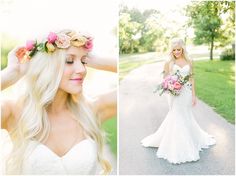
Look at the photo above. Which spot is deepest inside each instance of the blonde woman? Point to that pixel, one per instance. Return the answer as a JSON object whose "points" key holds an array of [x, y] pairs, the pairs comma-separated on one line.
{"points": [[179, 138], [54, 128]]}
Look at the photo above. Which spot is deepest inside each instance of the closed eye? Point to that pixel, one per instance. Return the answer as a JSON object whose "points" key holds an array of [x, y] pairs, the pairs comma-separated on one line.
{"points": [[83, 59], [69, 61]]}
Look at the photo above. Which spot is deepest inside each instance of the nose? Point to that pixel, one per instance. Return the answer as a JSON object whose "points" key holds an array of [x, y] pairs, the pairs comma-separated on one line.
{"points": [[79, 67]]}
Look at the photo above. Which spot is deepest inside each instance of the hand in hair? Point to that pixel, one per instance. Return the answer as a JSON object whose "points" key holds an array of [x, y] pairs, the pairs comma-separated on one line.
{"points": [[16, 68]]}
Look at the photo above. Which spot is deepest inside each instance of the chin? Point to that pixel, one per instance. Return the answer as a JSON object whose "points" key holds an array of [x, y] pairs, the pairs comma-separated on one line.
{"points": [[177, 56], [75, 91]]}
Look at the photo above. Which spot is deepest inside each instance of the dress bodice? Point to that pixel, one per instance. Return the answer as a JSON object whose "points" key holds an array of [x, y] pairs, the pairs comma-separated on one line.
{"points": [[184, 71], [80, 159]]}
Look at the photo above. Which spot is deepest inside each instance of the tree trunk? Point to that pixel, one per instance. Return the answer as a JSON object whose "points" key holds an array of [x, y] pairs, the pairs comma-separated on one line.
{"points": [[212, 46]]}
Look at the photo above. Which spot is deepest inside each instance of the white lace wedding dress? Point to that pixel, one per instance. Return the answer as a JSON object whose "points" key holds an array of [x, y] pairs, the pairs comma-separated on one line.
{"points": [[81, 159], [179, 138]]}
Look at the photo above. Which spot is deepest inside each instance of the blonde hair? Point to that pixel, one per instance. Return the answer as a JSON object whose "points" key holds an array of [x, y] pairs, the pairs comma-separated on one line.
{"points": [[42, 82], [178, 42]]}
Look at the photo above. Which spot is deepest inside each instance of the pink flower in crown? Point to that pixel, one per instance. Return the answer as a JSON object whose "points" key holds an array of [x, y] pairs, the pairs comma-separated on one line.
{"points": [[63, 41], [89, 44], [30, 44], [52, 37]]}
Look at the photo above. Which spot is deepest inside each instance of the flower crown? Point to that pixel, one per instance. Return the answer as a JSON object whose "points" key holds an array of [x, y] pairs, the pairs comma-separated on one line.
{"points": [[61, 40]]}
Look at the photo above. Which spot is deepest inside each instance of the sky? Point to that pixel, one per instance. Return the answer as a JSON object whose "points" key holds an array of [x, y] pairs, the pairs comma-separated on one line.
{"points": [[24, 19], [163, 6]]}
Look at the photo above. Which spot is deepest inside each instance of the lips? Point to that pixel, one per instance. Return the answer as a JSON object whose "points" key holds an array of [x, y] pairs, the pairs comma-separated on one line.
{"points": [[177, 54], [77, 80]]}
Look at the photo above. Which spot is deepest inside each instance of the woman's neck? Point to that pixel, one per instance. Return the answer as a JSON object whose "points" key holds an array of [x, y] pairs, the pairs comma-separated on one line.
{"points": [[59, 102], [180, 58]]}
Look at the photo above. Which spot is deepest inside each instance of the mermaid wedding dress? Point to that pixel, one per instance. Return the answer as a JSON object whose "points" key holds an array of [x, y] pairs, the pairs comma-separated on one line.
{"points": [[179, 138]]}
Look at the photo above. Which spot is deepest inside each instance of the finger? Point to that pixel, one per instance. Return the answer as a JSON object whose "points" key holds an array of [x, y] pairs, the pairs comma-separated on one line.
{"points": [[21, 53], [16, 49], [13, 52]]}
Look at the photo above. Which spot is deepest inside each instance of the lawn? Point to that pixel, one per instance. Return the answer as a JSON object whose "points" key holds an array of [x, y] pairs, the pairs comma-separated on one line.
{"points": [[110, 126], [215, 86]]}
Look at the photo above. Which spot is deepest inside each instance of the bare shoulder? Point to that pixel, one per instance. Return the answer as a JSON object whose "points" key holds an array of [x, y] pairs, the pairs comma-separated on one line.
{"points": [[91, 103], [190, 61], [10, 111], [104, 105]]}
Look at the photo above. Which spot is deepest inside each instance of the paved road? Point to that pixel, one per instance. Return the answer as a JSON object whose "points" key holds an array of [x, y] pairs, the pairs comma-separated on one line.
{"points": [[141, 113]]}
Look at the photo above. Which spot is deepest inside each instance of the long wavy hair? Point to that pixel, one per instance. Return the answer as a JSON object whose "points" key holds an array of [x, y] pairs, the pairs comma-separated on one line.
{"points": [[178, 42], [42, 83]]}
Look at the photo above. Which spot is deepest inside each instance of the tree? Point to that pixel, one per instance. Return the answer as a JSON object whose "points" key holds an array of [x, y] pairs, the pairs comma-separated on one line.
{"points": [[206, 18], [128, 31], [139, 31]]}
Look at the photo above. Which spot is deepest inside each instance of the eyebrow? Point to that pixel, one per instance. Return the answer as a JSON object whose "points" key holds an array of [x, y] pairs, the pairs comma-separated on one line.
{"points": [[75, 55]]}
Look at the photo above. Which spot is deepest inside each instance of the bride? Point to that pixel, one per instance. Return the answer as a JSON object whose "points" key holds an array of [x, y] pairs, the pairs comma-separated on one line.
{"points": [[54, 128], [179, 138]]}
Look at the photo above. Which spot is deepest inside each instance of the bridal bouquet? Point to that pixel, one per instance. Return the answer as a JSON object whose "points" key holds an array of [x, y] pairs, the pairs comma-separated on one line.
{"points": [[172, 84]]}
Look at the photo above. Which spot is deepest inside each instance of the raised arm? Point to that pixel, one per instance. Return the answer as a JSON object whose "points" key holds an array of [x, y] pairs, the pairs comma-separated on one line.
{"points": [[102, 63], [105, 105], [10, 75], [14, 70]]}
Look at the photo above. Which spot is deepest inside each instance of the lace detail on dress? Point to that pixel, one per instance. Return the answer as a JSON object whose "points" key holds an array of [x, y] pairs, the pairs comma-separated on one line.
{"points": [[80, 160]]}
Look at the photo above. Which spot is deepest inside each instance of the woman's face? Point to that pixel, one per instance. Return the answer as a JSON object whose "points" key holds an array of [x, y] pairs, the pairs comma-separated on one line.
{"points": [[177, 52], [74, 70]]}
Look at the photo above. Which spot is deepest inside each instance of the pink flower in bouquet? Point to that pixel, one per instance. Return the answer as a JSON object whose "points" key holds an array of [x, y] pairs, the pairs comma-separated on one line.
{"points": [[165, 84], [170, 86], [167, 78], [177, 85], [30, 45], [89, 44], [52, 37], [174, 78]]}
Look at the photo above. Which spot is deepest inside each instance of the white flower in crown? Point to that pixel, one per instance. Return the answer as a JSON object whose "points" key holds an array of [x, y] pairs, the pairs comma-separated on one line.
{"points": [[78, 41], [63, 41]]}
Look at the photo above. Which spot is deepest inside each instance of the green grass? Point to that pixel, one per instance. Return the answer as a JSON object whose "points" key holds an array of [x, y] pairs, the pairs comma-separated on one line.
{"points": [[110, 126], [215, 86]]}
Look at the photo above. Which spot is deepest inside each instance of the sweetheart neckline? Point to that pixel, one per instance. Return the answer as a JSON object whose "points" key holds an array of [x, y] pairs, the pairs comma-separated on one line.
{"points": [[183, 66], [68, 152]]}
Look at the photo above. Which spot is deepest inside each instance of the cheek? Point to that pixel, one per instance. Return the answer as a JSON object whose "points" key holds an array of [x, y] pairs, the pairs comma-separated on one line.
{"points": [[66, 74], [65, 77]]}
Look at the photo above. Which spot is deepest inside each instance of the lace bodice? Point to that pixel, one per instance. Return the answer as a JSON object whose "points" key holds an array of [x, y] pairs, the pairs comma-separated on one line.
{"points": [[80, 159]]}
